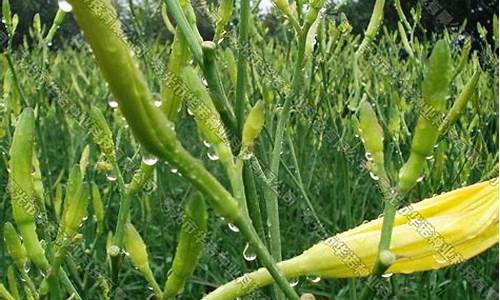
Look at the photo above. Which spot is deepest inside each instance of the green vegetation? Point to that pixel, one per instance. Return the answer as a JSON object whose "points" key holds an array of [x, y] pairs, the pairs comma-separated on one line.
{"points": [[136, 168]]}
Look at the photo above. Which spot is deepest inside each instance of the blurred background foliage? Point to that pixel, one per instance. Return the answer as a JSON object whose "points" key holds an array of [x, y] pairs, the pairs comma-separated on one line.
{"points": [[148, 20]]}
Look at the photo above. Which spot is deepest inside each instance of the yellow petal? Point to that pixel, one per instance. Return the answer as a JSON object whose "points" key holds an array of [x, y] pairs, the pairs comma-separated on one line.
{"points": [[431, 234]]}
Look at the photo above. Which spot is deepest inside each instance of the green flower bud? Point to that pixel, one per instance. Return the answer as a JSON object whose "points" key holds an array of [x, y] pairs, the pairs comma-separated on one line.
{"points": [[136, 248], [55, 25], [75, 206], [14, 246], [201, 106], [21, 187], [5, 294], [6, 16], [372, 136], [190, 246], [223, 16], [11, 279], [37, 25], [434, 91], [460, 102], [253, 126], [437, 77]]}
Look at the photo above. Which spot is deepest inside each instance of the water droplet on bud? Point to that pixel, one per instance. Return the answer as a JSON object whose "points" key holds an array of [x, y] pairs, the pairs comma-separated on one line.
{"points": [[149, 160], [233, 227], [64, 6], [212, 156], [314, 279], [113, 104], [374, 177], [248, 253], [368, 156], [293, 282]]}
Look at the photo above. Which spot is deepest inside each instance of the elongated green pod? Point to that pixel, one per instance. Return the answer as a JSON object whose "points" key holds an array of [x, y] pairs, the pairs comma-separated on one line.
{"points": [[223, 17], [372, 136], [98, 207], [179, 58], [101, 133], [4, 293], [437, 77], [434, 92], [373, 26], [312, 13], [84, 160], [75, 211], [253, 126], [189, 247], [136, 248], [14, 246], [166, 19], [464, 58], [404, 40], [58, 19], [21, 187], [203, 109], [460, 102], [230, 63], [11, 279], [125, 80], [6, 17]]}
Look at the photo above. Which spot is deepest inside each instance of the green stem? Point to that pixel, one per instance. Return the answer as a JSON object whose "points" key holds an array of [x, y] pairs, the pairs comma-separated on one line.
{"points": [[193, 42], [269, 194], [266, 259], [240, 95]]}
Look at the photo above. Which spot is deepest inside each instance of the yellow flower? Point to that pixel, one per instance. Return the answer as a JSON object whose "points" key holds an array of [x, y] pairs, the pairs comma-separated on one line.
{"points": [[431, 234]]}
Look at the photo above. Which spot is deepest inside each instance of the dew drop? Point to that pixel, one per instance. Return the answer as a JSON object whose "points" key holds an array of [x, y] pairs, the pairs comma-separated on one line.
{"points": [[429, 157], [27, 267], [111, 176], [374, 177], [420, 179], [248, 253], [157, 103], [293, 282], [314, 279], [64, 6], [246, 155], [387, 275], [369, 156], [212, 156], [206, 144], [174, 170], [149, 160], [190, 112], [113, 104], [233, 227]]}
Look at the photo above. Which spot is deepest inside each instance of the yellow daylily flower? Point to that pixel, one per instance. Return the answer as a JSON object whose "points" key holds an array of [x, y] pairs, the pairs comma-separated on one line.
{"points": [[431, 234]]}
